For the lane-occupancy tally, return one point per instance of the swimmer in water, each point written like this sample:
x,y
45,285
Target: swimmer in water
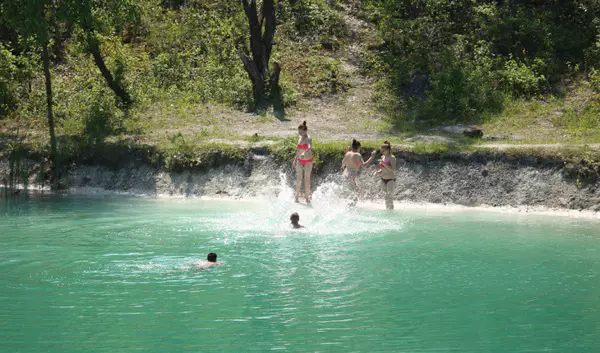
x,y
387,172
303,162
211,261
353,161
295,218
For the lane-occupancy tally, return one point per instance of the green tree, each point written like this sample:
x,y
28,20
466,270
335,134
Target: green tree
x,y
95,17
7,80
450,60
34,20
261,27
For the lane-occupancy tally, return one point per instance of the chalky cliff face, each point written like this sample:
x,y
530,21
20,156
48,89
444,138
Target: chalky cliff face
x,y
470,179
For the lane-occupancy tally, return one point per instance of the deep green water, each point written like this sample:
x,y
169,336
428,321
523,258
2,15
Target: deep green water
x,y
115,274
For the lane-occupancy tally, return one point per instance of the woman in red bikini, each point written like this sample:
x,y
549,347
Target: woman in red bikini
x,y
387,172
353,161
303,162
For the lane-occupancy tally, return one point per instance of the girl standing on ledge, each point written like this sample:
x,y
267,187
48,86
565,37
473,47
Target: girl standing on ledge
x,y
353,161
303,162
387,172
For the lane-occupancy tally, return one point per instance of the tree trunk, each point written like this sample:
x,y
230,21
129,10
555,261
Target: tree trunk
x,y
53,156
261,45
258,83
94,49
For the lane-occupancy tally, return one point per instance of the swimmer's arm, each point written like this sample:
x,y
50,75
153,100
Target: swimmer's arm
x,y
394,163
368,162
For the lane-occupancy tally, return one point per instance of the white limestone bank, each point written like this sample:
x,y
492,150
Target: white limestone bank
x,y
469,179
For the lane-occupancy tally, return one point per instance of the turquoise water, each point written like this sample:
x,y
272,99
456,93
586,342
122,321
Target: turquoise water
x,y
116,274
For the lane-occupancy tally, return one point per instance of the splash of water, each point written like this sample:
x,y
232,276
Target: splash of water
x,y
330,212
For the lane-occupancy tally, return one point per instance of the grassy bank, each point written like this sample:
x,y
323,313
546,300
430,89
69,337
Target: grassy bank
x,y
579,164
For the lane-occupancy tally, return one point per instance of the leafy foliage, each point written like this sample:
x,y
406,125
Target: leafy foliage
x,y
8,70
455,60
432,61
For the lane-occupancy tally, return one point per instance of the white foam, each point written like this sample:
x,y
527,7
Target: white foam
x,y
328,214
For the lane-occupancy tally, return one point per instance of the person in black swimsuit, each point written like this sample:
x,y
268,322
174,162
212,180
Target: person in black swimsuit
x,y
387,173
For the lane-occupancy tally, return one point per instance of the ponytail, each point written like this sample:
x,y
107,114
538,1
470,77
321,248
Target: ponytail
x,y
303,126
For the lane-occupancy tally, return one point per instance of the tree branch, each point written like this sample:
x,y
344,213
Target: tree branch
x,y
255,36
94,49
269,13
249,66
261,15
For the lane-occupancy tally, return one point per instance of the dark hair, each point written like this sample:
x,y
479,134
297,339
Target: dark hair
x,y
355,144
212,257
387,145
295,217
303,126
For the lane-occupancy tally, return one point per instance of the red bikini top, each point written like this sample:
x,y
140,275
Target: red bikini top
x,y
303,147
382,164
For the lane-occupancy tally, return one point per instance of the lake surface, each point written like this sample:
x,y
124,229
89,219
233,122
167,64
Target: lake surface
x,y
118,274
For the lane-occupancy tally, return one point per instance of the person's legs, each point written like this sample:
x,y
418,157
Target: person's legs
x,y
389,194
307,170
299,174
355,188
383,186
384,189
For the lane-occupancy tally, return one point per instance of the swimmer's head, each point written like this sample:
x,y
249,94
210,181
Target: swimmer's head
x,y
355,145
302,128
386,148
295,218
212,257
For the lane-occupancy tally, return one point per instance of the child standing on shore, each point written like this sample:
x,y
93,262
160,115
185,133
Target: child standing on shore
x,y
353,161
387,172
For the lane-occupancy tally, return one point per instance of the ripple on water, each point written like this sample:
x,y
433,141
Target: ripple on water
x,y
122,272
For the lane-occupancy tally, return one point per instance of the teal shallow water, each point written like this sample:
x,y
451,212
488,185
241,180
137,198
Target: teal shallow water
x,y
116,274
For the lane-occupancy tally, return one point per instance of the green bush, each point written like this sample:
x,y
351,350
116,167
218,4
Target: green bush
x,y
101,121
194,50
84,105
308,73
16,75
522,79
594,77
464,88
317,17
8,98
473,53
